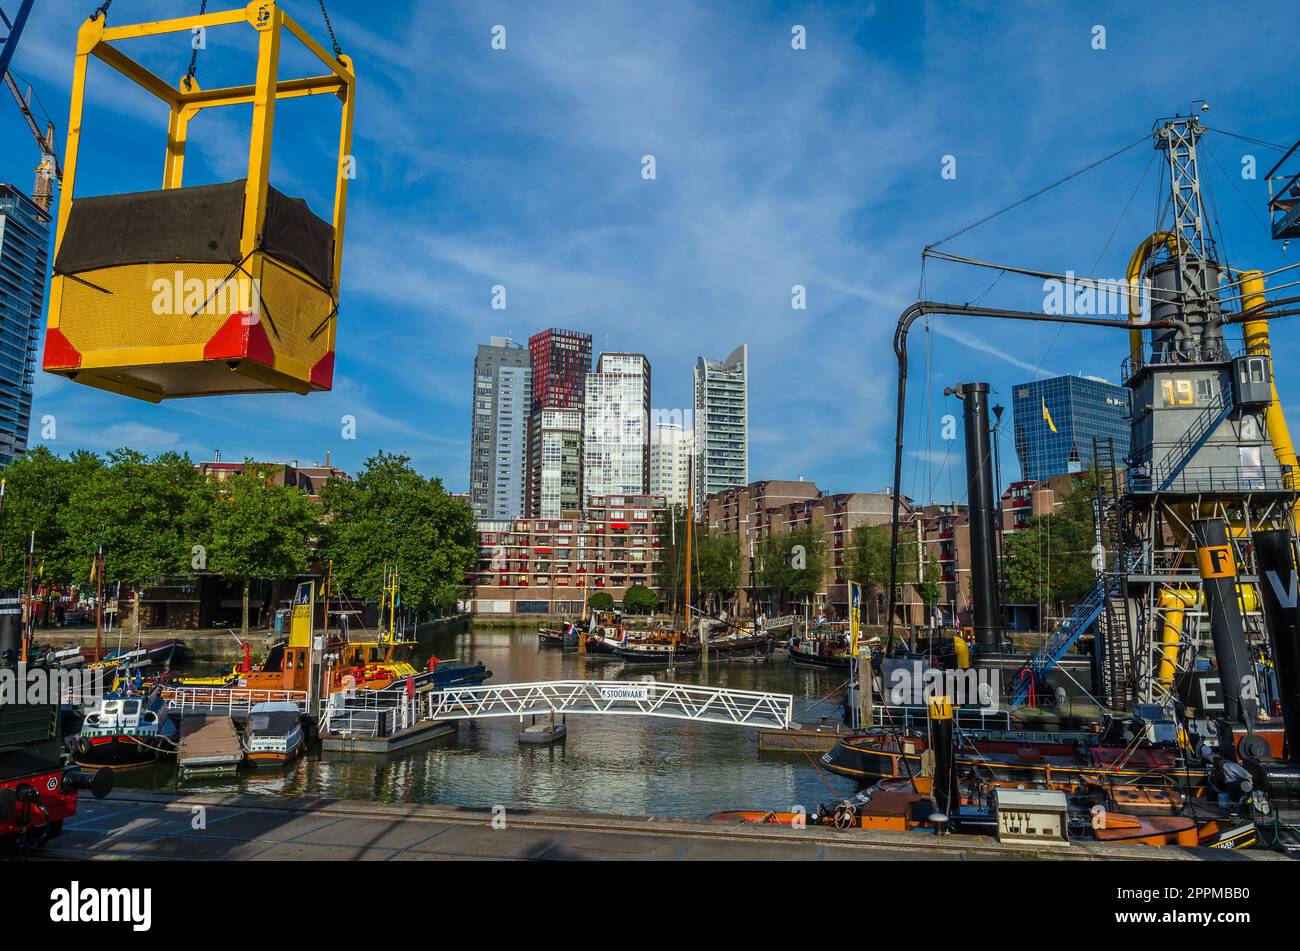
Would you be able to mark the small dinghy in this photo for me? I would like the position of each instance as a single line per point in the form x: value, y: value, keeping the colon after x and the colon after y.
x: 548, y: 730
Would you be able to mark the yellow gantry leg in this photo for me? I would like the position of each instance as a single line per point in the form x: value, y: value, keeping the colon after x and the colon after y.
x: 153, y: 361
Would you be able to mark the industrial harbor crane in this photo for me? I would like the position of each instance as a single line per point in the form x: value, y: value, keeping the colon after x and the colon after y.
x: 1212, y: 464
x: 50, y: 170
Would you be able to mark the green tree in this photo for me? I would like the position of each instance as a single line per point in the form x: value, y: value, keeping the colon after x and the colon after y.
x: 259, y: 530
x: 601, y: 601
x: 930, y: 588
x: 390, y: 516
x: 718, y: 566
x: 37, y: 487
x: 639, y: 599
x: 1049, y: 561
x: 670, y: 569
x: 792, y: 566
x: 867, y: 562
x: 141, y: 508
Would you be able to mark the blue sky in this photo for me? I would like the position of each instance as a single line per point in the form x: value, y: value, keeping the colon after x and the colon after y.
x: 775, y: 167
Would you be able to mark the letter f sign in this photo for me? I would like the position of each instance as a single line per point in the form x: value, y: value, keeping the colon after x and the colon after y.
x: 1216, y: 561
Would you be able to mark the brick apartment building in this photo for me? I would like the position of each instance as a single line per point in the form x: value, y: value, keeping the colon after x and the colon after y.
x: 773, y: 507
x: 541, y: 565
x: 945, y: 536
x: 311, y: 479
x: 761, y: 509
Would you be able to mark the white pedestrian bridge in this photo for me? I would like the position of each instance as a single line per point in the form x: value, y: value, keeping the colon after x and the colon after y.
x: 357, y: 711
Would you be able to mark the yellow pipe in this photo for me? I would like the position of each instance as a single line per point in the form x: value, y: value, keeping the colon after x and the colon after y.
x: 1257, y: 342
x: 1175, y: 602
x: 1136, y: 265
x: 962, y: 650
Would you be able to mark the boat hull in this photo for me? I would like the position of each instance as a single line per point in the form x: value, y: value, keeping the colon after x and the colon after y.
x: 267, y: 759
x: 119, y: 750
x: 831, y: 661
x: 1051, y: 764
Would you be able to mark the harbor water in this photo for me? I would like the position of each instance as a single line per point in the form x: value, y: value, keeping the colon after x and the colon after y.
x: 611, y: 764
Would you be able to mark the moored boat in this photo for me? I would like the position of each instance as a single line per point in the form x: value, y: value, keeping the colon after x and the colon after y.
x: 125, y: 729
x: 143, y: 656
x: 273, y: 734
x: 550, y: 636
x: 813, y: 651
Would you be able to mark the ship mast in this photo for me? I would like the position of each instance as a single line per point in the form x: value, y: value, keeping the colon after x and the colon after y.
x: 690, y: 521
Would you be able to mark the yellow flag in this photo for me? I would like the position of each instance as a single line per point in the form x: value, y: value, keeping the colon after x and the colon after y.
x: 855, y: 616
x: 1048, y: 416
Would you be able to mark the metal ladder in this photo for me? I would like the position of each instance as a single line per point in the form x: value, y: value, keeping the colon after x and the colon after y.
x: 1085, y: 614
x: 1114, y: 635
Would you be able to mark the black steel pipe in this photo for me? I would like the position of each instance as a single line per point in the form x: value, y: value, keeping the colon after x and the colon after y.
x: 981, y: 515
x: 1217, y: 562
x: 905, y: 321
x: 944, y: 791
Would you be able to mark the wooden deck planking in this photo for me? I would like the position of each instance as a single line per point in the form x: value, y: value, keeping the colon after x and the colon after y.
x: 209, y: 743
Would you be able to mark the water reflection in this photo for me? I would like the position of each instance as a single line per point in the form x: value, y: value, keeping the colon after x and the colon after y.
x: 631, y: 765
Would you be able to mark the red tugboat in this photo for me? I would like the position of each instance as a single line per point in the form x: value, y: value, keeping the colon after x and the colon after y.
x: 38, y: 793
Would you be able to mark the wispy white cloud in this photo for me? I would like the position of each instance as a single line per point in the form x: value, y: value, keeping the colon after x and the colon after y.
x: 775, y: 167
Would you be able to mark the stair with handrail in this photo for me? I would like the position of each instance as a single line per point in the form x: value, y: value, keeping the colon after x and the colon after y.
x: 1083, y: 617
x: 1189, y: 443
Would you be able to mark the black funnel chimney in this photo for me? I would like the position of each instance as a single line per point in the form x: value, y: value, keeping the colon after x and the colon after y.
x: 1218, y: 566
x: 1279, y: 588
x: 979, y: 497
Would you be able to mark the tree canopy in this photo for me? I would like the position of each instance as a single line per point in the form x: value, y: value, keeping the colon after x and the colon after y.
x: 715, y: 561
x: 1049, y: 561
x: 792, y: 565
x: 159, y: 516
x: 141, y: 509
x: 259, y: 531
x: 638, y: 599
x: 389, y: 517
x: 866, y: 561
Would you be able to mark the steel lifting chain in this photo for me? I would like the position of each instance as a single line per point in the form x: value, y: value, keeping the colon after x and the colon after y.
x: 338, y: 50
x: 194, y: 52
x: 102, y: 11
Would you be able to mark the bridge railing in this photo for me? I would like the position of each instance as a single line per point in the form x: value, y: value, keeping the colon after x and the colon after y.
x: 229, y: 700
x: 612, y: 698
x: 369, y: 713
x: 359, y: 714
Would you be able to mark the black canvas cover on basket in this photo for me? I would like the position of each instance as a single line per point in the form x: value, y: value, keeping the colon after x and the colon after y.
x: 200, y: 224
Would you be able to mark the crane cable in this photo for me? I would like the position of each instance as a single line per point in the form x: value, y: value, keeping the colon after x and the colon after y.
x: 338, y: 50
x: 102, y: 11
x: 194, y: 52
x: 1046, y: 188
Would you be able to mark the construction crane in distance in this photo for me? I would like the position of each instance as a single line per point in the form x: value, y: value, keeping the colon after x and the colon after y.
x: 50, y: 170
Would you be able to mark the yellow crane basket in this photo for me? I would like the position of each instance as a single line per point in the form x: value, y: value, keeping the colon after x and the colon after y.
x: 201, y: 290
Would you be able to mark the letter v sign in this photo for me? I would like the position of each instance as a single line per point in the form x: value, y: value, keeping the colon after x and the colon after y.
x: 1287, y: 597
